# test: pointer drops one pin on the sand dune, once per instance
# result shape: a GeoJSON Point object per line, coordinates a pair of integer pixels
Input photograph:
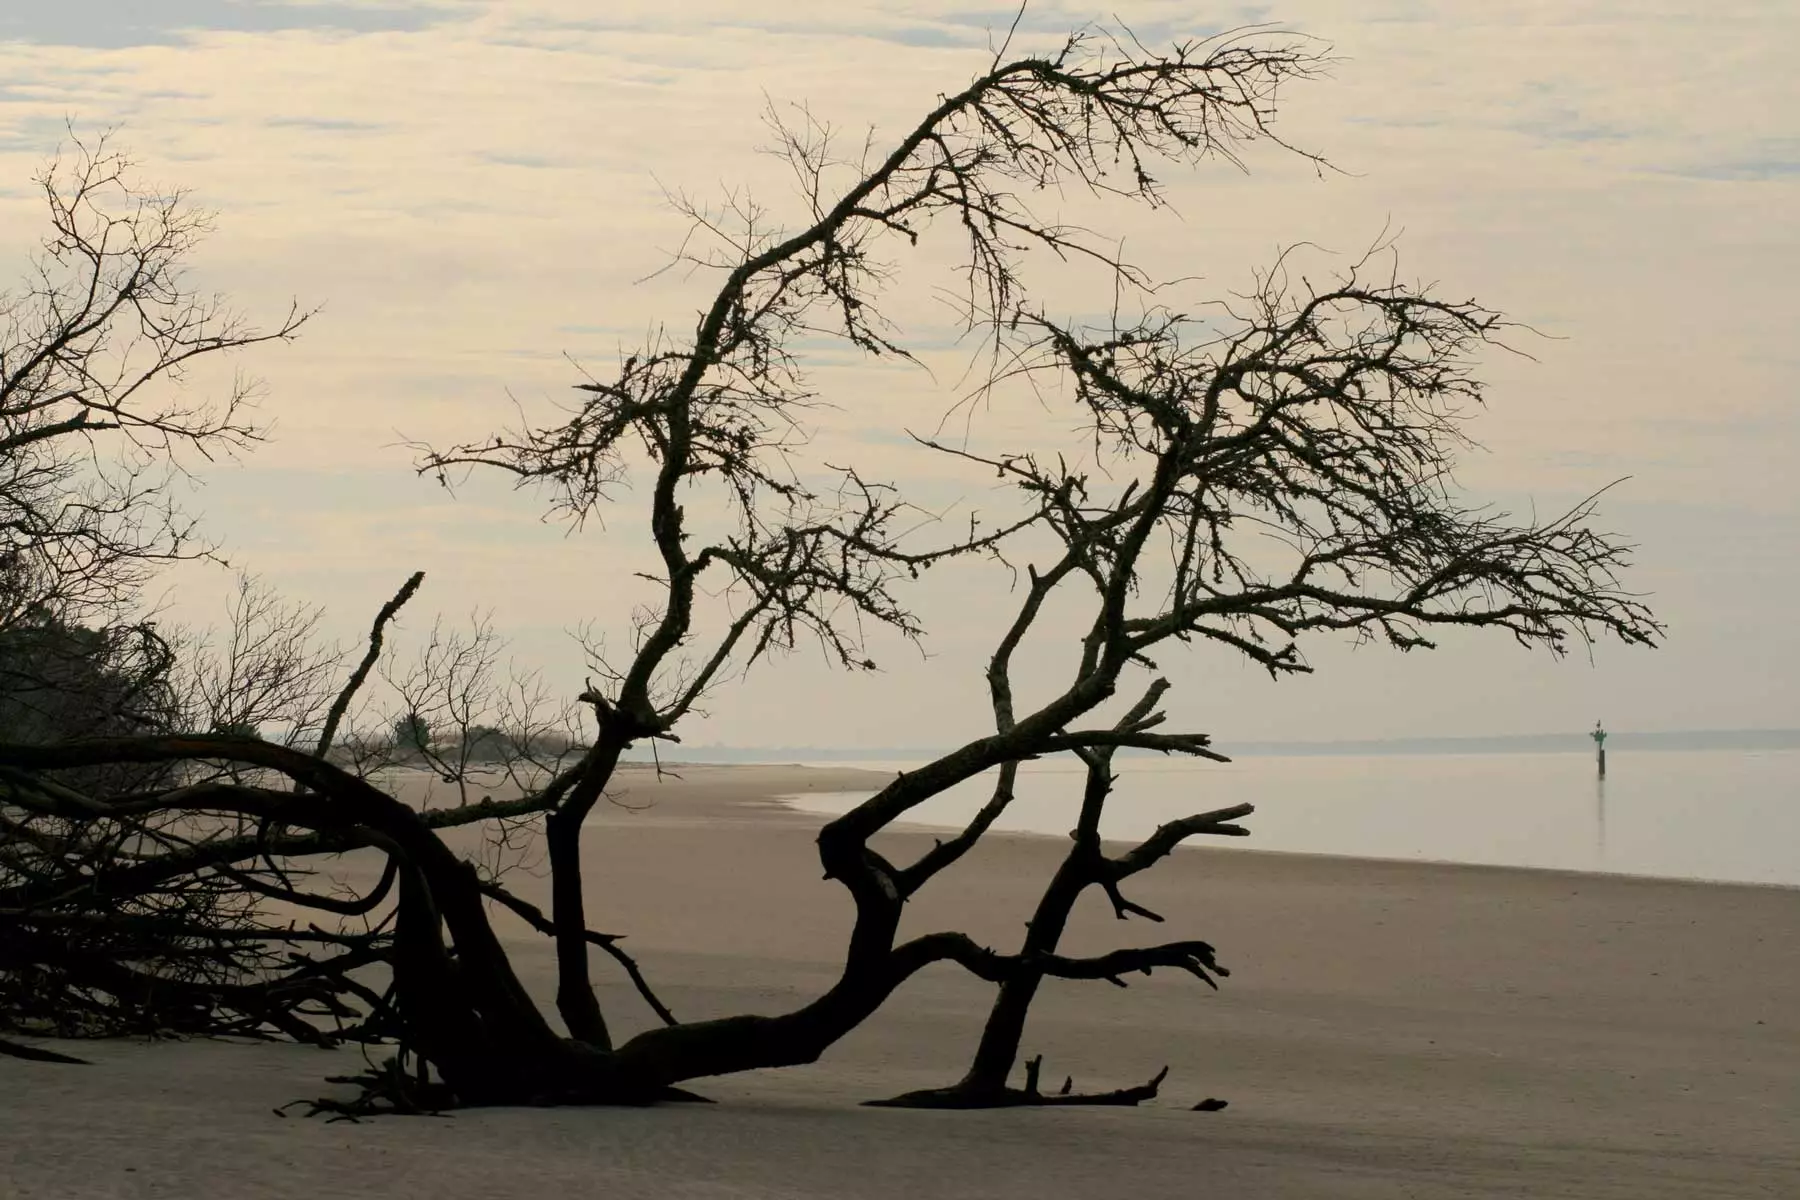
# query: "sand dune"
{"type": "Point", "coordinates": [1389, 1030]}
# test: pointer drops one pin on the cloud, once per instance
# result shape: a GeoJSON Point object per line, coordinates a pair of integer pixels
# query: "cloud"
{"type": "Point", "coordinates": [501, 158]}
{"type": "Point", "coordinates": [325, 124]}
{"type": "Point", "coordinates": [1041, 27]}
{"type": "Point", "coordinates": [1047, 23]}
{"type": "Point", "coordinates": [118, 24]}
{"type": "Point", "coordinates": [1765, 160]}
{"type": "Point", "coordinates": [476, 197]}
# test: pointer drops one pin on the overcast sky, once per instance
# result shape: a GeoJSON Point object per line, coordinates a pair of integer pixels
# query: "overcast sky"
{"type": "Point", "coordinates": [471, 191]}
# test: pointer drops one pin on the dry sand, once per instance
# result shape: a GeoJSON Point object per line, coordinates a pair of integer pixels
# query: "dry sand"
{"type": "Point", "coordinates": [1391, 1030]}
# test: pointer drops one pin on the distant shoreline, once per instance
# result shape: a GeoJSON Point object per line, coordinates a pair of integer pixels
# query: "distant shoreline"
{"type": "Point", "coordinates": [1543, 743]}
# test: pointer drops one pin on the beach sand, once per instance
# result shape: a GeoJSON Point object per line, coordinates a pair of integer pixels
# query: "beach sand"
{"type": "Point", "coordinates": [1389, 1030]}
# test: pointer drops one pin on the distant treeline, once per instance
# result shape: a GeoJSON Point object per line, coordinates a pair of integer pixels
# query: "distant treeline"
{"type": "Point", "coordinates": [1543, 743]}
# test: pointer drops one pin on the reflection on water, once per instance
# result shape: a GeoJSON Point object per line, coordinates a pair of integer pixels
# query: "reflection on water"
{"type": "Point", "coordinates": [1600, 819]}
{"type": "Point", "coordinates": [1725, 815]}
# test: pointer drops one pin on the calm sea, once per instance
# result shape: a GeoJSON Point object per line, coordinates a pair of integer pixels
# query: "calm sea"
{"type": "Point", "coordinates": [1718, 815]}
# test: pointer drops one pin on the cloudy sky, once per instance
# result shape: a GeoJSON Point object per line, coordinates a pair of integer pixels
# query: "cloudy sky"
{"type": "Point", "coordinates": [474, 192]}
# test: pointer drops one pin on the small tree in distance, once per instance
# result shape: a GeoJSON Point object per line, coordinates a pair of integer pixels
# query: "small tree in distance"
{"type": "Point", "coordinates": [1273, 473]}
{"type": "Point", "coordinates": [412, 733]}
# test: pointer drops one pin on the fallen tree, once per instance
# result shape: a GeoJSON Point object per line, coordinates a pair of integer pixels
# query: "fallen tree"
{"type": "Point", "coordinates": [1251, 481]}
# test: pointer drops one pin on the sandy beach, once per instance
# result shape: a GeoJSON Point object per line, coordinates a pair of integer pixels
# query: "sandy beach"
{"type": "Point", "coordinates": [1389, 1030]}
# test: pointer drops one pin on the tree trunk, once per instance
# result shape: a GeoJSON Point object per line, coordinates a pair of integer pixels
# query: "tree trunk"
{"type": "Point", "coordinates": [986, 1081]}
{"type": "Point", "coordinates": [1000, 1038]}
{"type": "Point", "coordinates": [575, 999]}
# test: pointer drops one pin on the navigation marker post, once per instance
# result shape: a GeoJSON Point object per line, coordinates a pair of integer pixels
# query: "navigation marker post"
{"type": "Point", "coordinates": [1599, 736]}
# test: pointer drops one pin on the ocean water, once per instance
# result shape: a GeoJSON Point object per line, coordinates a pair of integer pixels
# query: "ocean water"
{"type": "Point", "coordinates": [1715, 815]}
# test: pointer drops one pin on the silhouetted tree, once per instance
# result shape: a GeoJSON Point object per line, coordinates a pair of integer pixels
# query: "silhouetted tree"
{"type": "Point", "coordinates": [1276, 472]}
{"type": "Point", "coordinates": [95, 345]}
{"type": "Point", "coordinates": [93, 421]}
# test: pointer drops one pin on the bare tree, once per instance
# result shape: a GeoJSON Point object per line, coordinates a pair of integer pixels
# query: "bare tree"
{"type": "Point", "coordinates": [97, 346]}
{"type": "Point", "coordinates": [97, 418]}
{"type": "Point", "coordinates": [725, 408]}
{"type": "Point", "coordinates": [1289, 476]}
{"type": "Point", "coordinates": [94, 349]}
{"type": "Point", "coordinates": [134, 903]}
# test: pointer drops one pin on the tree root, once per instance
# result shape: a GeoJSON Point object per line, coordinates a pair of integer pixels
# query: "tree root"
{"type": "Point", "coordinates": [964, 1096]}
{"type": "Point", "coordinates": [390, 1089]}
{"type": "Point", "coordinates": [387, 1089]}
{"type": "Point", "coordinates": [38, 1054]}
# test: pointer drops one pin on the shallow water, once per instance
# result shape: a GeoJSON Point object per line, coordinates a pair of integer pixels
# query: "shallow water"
{"type": "Point", "coordinates": [1718, 815]}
